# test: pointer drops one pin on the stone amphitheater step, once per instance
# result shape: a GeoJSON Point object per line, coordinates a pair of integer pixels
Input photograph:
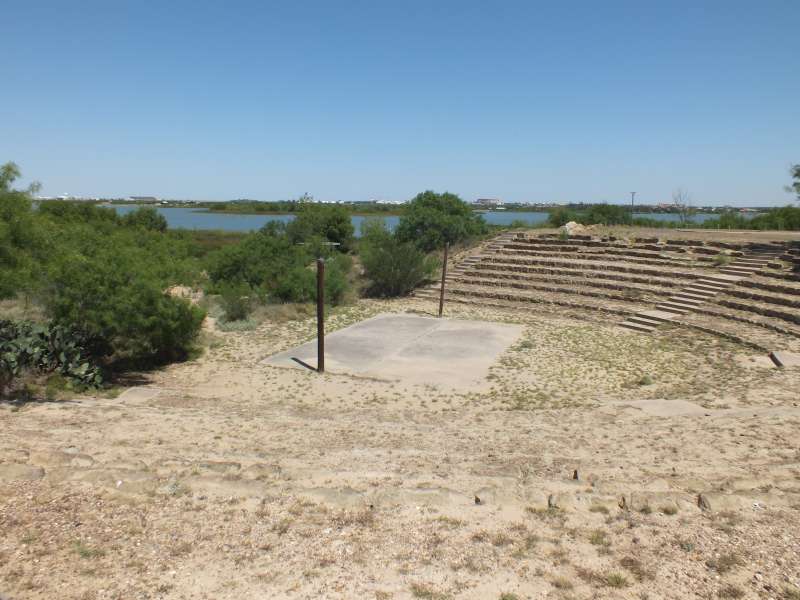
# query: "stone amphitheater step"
{"type": "Point", "coordinates": [626, 294]}
{"type": "Point", "coordinates": [601, 256]}
{"type": "Point", "coordinates": [699, 292]}
{"type": "Point", "coordinates": [640, 320]}
{"type": "Point", "coordinates": [759, 282]}
{"type": "Point", "coordinates": [755, 334]}
{"type": "Point", "coordinates": [594, 265]}
{"type": "Point", "coordinates": [734, 316]}
{"type": "Point", "coordinates": [743, 271]}
{"type": "Point", "coordinates": [629, 324]}
{"type": "Point", "coordinates": [687, 299]}
{"type": "Point", "coordinates": [658, 315]}
{"type": "Point", "coordinates": [585, 279]}
{"type": "Point", "coordinates": [680, 308]}
{"type": "Point", "coordinates": [787, 314]}
{"type": "Point", "coordinates": [723, 278]}
{"type": "Point", "coordinates": [647, 321]}
{"type": "Point", "coordinates": [480, 294]}
{"type": "Point", "coordinates": [708, 287]}
{"type": "Point", "coordinates": [791, 300]}
{"type": "Point", "coordinates": [535, 271]}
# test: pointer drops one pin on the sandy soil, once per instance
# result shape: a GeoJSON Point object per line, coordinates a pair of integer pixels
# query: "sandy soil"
{"type": "Point", "coordinates": [598, 463]}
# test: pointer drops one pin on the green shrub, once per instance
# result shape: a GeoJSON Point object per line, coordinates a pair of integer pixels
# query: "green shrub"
{"type": "Point", "coordinates": [328, 222]}
{"type": "Point", "coordinates": [101, 283]}
{"type": "Point", "coordinates": [237, 300]}
{"type": "Point", "coordinates": [115, 293]}
{"type": "Point", "coordinates": [268, 261]}
{"type": "Point", "coordinates": [62, 211]}
{"type": "Point", "coordinates": [260, 260]}
{"type": "Point", "coordinates": [722, 259]}
{"type": "Point", "coordinates": [393, 268]}
{"type": "Point", "coordinates": [300, 283]}
{"type": "Point", "coordinates": [22, 244]}
{"type": "Point", "coordinates": [561, 215]}
{"type": "Point", "coordinates": [430, 220]}
{"type": "Point", "coordinates": [607, 214]}
{"type": "Point", "coordinates": [146, 217]}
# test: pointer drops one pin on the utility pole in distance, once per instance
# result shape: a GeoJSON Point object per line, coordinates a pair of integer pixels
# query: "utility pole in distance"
{"type": "Point", "coordinates": [633, 195]}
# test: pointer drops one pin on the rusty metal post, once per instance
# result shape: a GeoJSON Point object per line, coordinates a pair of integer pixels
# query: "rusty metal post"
{"type": "Point", "coordinates": [320, 315]}
{"type": "Point", "coordinates": [444, 275]}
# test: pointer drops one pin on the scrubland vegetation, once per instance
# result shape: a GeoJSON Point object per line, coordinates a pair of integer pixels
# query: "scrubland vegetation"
{"type": "Point", "coordinates": [786, 218]}
{"type": "Point", "coordinates": [106, 288]}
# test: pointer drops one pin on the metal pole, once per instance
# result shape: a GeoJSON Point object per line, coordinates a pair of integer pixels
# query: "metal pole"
{"type": "Point", "coordinates": [444, 274]}
{"type": "Point", "coordinates": [320, 315]}
{"type": "Point", "coordinates": [633, 195]}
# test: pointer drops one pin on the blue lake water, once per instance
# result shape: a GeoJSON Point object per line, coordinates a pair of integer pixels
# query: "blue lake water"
{"type": "Point", "coordinates": [191, 218]}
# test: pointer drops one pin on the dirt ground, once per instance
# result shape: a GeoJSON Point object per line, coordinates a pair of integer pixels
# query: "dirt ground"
{"type": "Point", "coordinates": [595, 463]}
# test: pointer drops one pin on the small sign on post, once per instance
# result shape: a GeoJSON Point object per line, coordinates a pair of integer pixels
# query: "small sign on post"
{"type": "Point", "coordinates": [444, 275]}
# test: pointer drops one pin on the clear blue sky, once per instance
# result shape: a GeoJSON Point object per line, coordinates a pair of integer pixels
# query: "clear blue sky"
{"type": "Point", "coordinates": [525, 101]}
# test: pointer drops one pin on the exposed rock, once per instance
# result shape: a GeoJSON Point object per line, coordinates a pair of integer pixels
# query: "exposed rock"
{"type": "Point", "coordinates": [573, 228]}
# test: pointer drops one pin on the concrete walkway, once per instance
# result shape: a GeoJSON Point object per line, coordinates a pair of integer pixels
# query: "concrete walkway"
{"type": "Point", "coordinates": [410, 348]}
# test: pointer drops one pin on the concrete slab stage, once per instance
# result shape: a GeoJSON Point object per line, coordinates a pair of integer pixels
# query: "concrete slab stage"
{"type": "Point", "coordinates": [426, 350]}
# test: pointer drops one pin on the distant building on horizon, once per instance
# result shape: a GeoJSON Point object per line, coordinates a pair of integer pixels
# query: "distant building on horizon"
{"type": "Point", "coordinates": [486, 202]}
{"type": "Point", "coordinates": [146, 199]}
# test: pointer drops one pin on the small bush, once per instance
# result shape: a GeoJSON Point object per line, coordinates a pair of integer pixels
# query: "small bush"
{"type": "Point", "coordinates": [237, 300]}
{"type": "Point", "coordinates": [146, 217]}
{"type": "Point", "coordinates": [645, 380]}
{"type": "Point", "coordinates": [615, 580]}
{"type": "Point", "coordinates": [393, 268]}
{"type": "Point", "coordinates": [561, 215]}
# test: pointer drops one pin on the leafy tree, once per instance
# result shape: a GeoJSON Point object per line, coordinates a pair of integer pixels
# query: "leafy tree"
{"type": "Point", "coordinates": [786, 218]}
{"type": "Point", "coordinates": [683, 202]}
{"type": "Point", "coordinates": [393, 268]}
{"type": "Point", "coordinates": [607, 214]}
{"type": "Point", "coordinates": [21, 243]}
{"type": "Point", "coordinates": [430, 220]}
{"type": "Point", "coordinates": [561, 215]}
{"type": "Point", "coordinates": [329, 222]}
{"type": "Point", "coordinates": [146, 217]}
{"type": "Point", "coordinates": [795, 186]}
